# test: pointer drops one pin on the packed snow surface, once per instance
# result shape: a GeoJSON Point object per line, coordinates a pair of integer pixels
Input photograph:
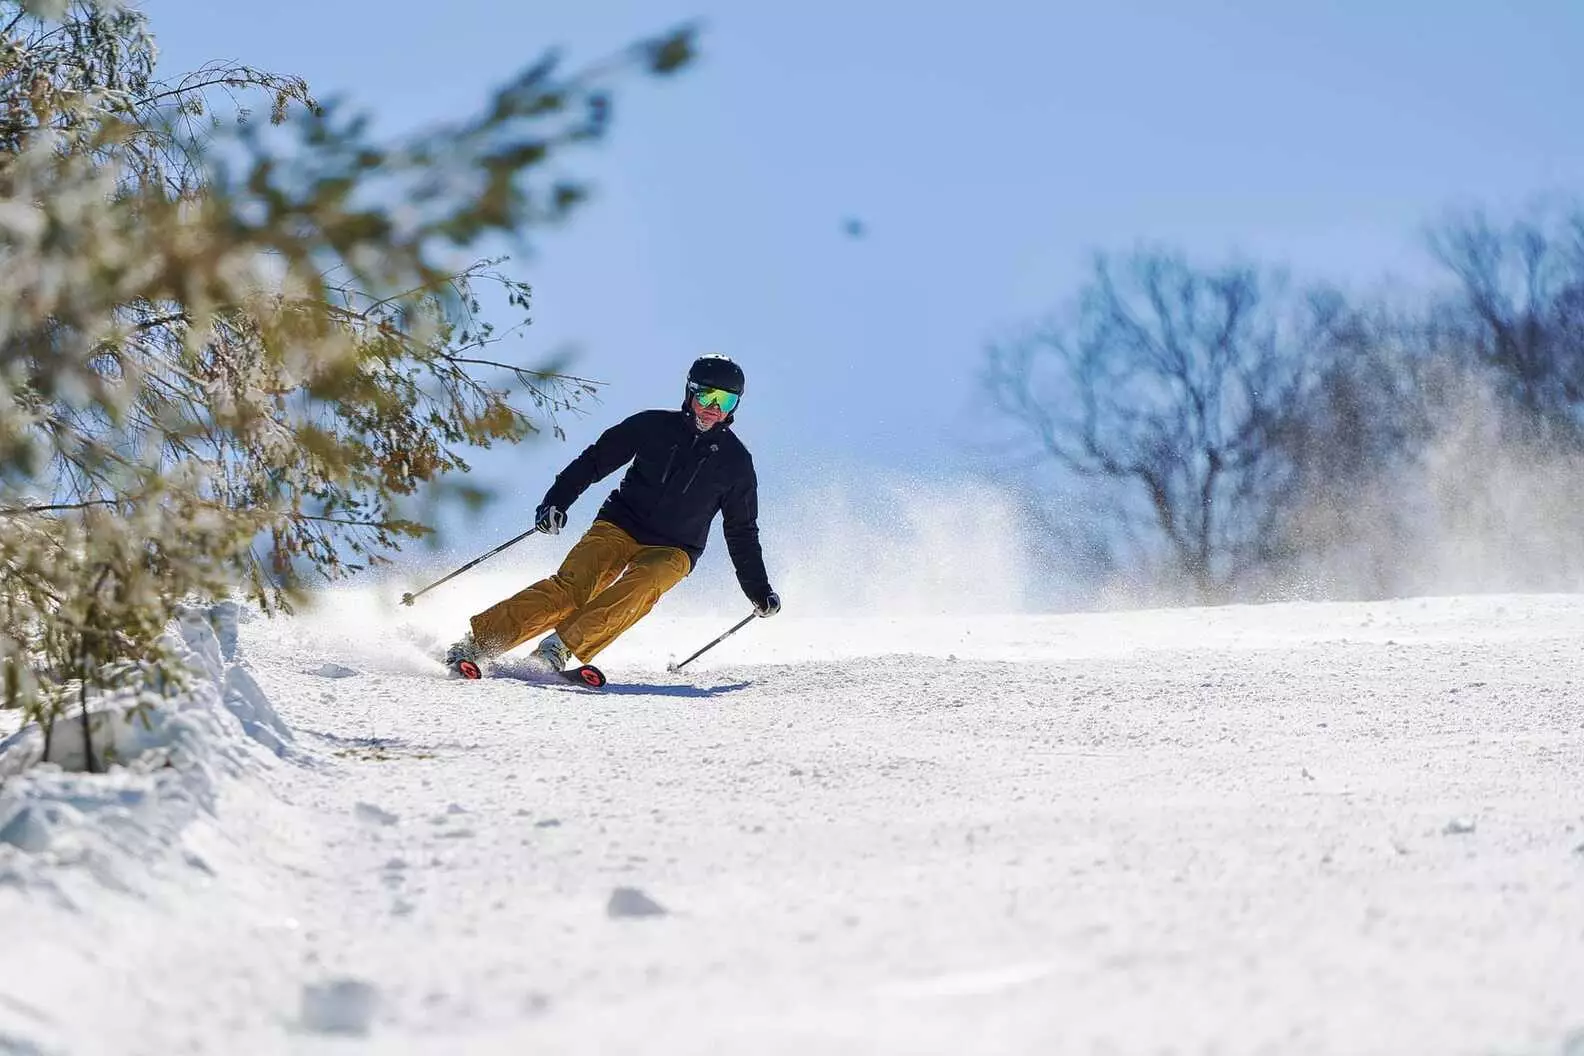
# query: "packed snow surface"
{"type": "Point", "coordinates": [1290, 828]}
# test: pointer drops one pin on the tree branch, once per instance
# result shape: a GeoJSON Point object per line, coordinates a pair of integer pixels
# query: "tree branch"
{"type": "Point", "coordinates": [17, 511]}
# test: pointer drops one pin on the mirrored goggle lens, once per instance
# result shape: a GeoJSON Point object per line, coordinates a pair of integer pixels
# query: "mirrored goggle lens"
{"type": "Point", "coordinates": [722, 398]}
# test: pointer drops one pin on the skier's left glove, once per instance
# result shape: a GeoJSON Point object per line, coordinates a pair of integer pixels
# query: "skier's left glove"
{"type": "Point", "coordinates": [768, 605]}
{"type": "Point", "coordinates": [549, 520]}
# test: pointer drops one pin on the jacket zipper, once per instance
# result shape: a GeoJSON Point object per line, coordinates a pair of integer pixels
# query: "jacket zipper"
{"type": "Point", "coordinates": [665, 474]}
{"type": "Point", "coordinates": [712, 449]}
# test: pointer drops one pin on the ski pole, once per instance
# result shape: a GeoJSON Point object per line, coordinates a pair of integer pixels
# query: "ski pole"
{"type": "Point", "coordinates": [408, 599]}
{"type": "Point", "coordinates": [745, 621]}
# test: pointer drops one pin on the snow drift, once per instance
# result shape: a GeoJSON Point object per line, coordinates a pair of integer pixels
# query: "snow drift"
{"type": "Point", "coordinates": [168, 756]}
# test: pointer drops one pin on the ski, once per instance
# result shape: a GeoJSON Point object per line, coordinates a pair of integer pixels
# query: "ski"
{"type": "Point", "coordinates": [588, 676]}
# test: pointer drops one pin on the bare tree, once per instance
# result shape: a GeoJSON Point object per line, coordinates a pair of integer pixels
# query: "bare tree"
{"type": "Point", "coordinates": [1213, 433]}
{"type": "Point", "coordinates": [1378, 392]}
{"type": "Point", "coordinates": [1159, 403]}
{"type": "Point", "coordinates": [1440, 445]}
{"type": "Point", "coordinates": [1518, 303]}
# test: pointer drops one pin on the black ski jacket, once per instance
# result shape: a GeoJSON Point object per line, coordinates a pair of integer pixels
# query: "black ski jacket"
{"type": "Point", "coordinates": [679, 479]}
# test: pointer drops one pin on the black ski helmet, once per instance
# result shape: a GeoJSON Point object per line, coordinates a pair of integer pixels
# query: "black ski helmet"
{"type": "Point", "coordinates": [715, 371]}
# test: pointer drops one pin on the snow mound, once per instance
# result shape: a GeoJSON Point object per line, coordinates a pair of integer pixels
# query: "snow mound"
{"type": "Point", "coordinates": [164, 757]}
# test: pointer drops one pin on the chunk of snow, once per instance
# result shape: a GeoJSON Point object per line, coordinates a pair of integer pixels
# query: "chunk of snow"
{"type": "Point", "coordinates": [260, 721]}
{"type": "Point", "coordinates": [202, 645]}
{"type": "Point", "coordinates": [340, 1006]}
{"type": "Point", "coordinates": [29, 828]}
{"type": "Point", "coordinates": [374, 814]}
{"type": "Point", "coordinates": [630, 902]}
{"type": "Point", "coordinates": [223, 619]}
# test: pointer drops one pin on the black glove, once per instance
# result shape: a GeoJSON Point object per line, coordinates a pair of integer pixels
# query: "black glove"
{"type": "Point", "coordinates": [769, 605]}
{"type": "Point", "coordinates": [549, 520]}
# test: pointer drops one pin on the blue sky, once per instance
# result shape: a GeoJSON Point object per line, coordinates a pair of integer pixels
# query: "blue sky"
{"type": "Point", "coordinates": [989, 148]}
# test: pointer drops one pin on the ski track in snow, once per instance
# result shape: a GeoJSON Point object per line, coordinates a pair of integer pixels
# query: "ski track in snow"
{"type": "Point", "coordinates": [1294, 828]}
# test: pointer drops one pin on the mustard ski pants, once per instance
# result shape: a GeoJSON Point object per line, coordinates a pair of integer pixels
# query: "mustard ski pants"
{"type": "Point", "coordinates": [606, 583]}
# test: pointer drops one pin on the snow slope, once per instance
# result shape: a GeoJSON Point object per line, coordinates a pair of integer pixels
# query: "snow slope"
{"type": "Point", "coordinates": [1285, 828]}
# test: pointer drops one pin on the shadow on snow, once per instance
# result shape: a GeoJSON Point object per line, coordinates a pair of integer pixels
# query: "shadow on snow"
{"type": "Point", "coordinates": [620, 689]}
{"type": "Point", "coordinates": [637, 689]}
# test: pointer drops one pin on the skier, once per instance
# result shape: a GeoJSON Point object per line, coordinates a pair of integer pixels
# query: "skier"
{"type": "Point", "coordinates": [687, 465]}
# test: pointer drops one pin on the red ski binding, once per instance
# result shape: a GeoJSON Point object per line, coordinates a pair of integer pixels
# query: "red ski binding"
{"type": "Point", "coordinates": [468, 669]}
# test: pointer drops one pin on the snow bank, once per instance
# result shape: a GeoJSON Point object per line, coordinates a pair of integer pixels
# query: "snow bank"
{"type": "Point", "coordinates": [166, 756]}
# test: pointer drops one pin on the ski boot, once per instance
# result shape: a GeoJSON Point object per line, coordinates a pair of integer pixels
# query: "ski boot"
{"type": "Point", "coordinates": [551, 653]}
{"type": "Point", "coordinates": [553, 656]}
{"type": "Point", "coordinates": [463, 657]}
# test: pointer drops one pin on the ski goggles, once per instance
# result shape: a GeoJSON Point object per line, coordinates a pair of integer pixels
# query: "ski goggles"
{"type": "Point", "coordinates": [725, 399]}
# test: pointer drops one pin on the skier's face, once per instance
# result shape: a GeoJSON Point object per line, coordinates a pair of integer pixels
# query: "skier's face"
{"type": "Point", "coordinates": [710, 405]}
{"type": "Point", "coordinates": [706, 417]}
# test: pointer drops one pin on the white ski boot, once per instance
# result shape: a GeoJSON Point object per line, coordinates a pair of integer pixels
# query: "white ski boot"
{"type": "Point", "coordinates": [551, 653]}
